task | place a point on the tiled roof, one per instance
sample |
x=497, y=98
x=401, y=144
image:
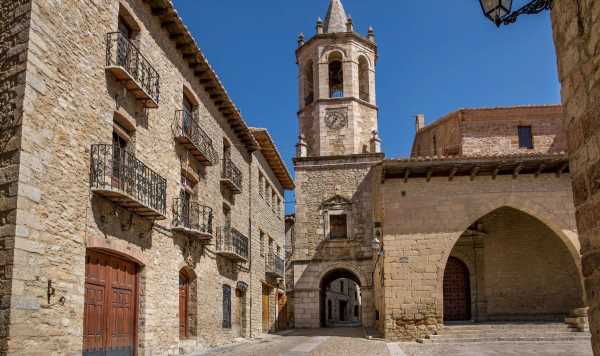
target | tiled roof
x=273, y=157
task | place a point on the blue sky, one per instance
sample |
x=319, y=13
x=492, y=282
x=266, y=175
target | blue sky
x=435, y=56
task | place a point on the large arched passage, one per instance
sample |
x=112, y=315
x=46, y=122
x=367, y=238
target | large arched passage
x=518, y=268
x=340, y=298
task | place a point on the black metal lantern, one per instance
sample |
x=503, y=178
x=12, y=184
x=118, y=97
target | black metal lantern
x=496, y=10
x=499, y=11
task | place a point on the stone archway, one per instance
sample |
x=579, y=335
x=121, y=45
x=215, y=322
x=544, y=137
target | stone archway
x=333, y=275
x=522, y=268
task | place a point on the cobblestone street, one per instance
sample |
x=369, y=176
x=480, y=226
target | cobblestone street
x=351, y=342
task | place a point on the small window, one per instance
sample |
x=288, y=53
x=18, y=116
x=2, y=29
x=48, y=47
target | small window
x=270, y=245
x=336, y=76
x=337, y=227
x=525, y=137
x=262, y=243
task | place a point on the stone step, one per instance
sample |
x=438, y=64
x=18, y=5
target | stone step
x=515, y=331
x=507, y=334
x=536, y=326
x=571, y=337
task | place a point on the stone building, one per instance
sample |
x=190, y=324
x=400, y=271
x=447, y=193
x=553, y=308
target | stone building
x=477, y=225
x=576, y=39
x=138, y=211
x=342, y=303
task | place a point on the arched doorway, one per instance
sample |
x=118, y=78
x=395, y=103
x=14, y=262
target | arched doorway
x=457, y=291
x=340, y=299
x=511, y=266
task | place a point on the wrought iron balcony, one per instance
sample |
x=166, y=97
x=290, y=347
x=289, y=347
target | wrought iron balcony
x=192, y=219
x=232, y=244
x=194, y=139
x=120, y=177
x=128, y=65
x=232, y=176
x=274, y=265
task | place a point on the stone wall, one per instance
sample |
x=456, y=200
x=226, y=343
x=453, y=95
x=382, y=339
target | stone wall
x=577, y=41
x=70, y=101
x=14, y=37
x=424, y=220
x=353, y=178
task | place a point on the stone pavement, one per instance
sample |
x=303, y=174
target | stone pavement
x=351, y=342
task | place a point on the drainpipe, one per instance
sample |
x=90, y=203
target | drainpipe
x=250, y=332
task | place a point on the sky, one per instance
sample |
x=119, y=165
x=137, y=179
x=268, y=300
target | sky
x=433, y=59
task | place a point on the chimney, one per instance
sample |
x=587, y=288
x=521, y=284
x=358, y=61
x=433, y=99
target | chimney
x=420, y=122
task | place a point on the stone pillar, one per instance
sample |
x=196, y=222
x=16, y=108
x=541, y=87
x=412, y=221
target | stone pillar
x=577, y=40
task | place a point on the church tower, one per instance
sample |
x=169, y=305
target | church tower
x=338, y=108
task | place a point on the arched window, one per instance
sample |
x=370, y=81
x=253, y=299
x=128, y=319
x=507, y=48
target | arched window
x=363, y=79
x=309, y=83
x=336, y=76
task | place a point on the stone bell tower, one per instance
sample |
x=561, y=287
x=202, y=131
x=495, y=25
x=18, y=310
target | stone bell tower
x=338, y=110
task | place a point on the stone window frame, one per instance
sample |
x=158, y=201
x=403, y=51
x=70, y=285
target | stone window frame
x=337, y=205
x=127, y=15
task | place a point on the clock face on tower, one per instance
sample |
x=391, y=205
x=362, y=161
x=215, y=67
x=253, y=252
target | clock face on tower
x=336, y=120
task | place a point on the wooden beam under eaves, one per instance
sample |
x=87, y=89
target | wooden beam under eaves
x=406, y=175
x=540, y=170
x=452, y=173
x=429, y=173
x=517, y=170
x=475, y=172
x=562, y=169
x=495, y=172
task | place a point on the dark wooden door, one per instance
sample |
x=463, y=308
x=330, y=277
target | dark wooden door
x=457, y=292
x=184, y=292
x=110, y=306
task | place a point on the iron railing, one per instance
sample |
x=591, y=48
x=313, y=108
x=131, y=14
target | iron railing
x=186, y=125
x=192, y=216
x=275, y=264
x=113, y=168
x=121, y=52
x=232, y=172
x=231, y=241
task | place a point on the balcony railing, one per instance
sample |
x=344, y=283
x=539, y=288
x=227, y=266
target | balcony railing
x=128, y=64
x=122, y=178
x=190, y=135
x=274, y=265
x=192, y=219
x=232, y=176
x=232, y=244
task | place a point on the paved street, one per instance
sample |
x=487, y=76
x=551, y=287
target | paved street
x=351, y=342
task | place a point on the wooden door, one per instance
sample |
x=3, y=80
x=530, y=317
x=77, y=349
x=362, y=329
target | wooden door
x=457, y=292
x=184, y=293
x=110, y=306
x=265, y=309
x=282, y=321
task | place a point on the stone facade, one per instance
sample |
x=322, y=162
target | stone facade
x=489, y=188
x=64, y=100
x=575, y=25
x=14, y=36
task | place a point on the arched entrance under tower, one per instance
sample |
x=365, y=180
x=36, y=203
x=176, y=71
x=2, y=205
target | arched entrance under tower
x=340, y=299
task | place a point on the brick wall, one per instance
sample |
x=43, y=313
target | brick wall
x=575, y=25
x=480, y=132
x=14, y=36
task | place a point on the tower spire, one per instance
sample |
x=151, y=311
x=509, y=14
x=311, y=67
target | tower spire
x=336, y=18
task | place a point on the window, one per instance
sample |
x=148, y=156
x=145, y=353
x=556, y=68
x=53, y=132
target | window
x=278, y=250
x=270, y=245
x=226, y=307
x=336, y=76
x=124, y=28
x=309, y=83
x=342, y=287
x=356, y=311
x=363, y=79
x=329, y=311
x=188, y=111
x=185, y=208
x=278, y=206
x=262, y=243
x=435, y=148
x=261, y=186
x=119, y=155
x=525, y=137
x=337, y=227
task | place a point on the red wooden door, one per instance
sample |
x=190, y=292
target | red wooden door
x=457, y=292
x=110, y=305
x=183, y=305
x=282, y=322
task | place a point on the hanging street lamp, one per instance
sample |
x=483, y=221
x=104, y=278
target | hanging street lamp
x=499, y=11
